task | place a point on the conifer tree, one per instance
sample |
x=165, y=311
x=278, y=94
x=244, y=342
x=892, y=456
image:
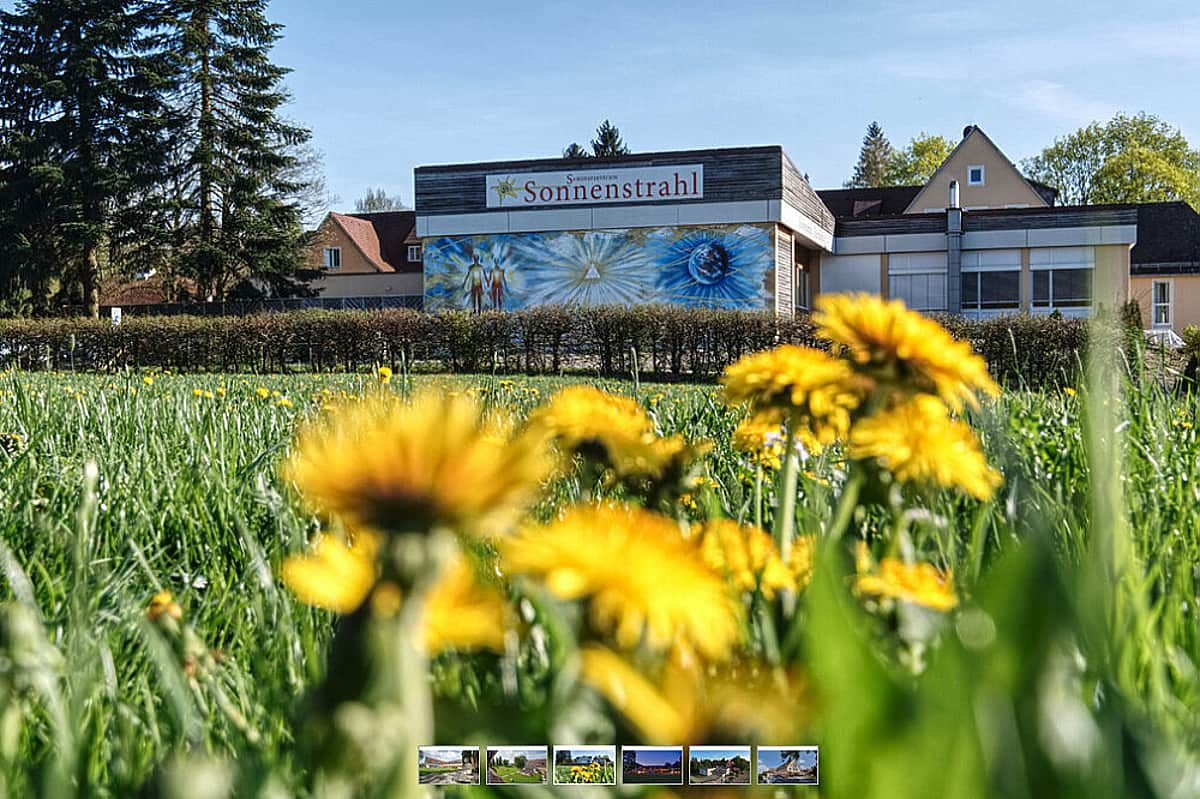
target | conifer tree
x=608, y=141
x=83, y=129
x=238, y=207
x=873, y=160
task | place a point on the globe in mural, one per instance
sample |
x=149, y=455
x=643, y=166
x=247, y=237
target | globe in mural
x=709, y=263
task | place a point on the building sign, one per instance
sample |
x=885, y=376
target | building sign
x=591, y=186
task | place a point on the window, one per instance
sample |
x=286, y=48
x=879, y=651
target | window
x=1161, y=312
x=991, y=283
x=975, y=175
x=803, y=290
x=333, y=257
x=919, y=279
x=1062, y=279
x=414, y=253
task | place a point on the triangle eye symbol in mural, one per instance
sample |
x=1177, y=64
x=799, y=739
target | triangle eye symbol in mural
x=505, y=187
x=592, y=273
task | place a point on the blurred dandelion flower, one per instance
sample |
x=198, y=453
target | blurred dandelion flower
x=918, y=583
x=463, y=613
x=815, y=391
x=746, y=555
x=638, y=572
x=611, y=429
x=262, y=393
x=918, y=442
x=163, y=604
x=385, y=375
x=389, y=465
x=762, y=438
x=902, y=348
x=336, y=576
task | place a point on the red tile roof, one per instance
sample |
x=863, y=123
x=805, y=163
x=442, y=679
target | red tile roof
x=363, y=234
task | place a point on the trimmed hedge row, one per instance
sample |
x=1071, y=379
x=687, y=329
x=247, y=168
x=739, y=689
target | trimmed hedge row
x=667, y=340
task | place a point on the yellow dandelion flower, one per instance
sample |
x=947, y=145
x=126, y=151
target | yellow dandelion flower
x=641, y=577
x=762, y=438
x=612, y=429
x=918, y=442
x=148, y=380
x=385, y=375
x=197, y=392
x=464, y=614
x=262, y=393
x=918, y=583
x=336, y=576
x=902, y=348
x=389, y=465
x=163, y=604
x=800, y=562
x=816, y=391
x=747, y=555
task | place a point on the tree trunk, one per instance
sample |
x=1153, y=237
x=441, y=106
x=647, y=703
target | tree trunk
x=90, y=279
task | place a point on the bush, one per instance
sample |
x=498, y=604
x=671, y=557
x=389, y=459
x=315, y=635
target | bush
x=661, y=340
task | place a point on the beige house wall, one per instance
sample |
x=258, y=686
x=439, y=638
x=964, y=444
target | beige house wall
x=1185, y=299
x=330, y=234
x=1003, y=184
x=376, y=284
x=1110, y=283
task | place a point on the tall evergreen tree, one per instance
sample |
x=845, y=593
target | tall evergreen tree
x=82, y=137
x=873, y=160
x=608, y=141
x=239, y=212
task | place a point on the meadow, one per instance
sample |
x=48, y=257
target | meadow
x=1047, y=645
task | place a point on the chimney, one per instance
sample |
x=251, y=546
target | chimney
x=953, y=194
x=967, y=130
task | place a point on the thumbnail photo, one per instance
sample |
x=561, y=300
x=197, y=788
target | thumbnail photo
x=787, y=765
x=508, y=765
x=585, y=765
x=657, y=765
x=448, y=765
x=718, y=765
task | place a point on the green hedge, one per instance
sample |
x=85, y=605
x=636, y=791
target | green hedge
x=668, y=341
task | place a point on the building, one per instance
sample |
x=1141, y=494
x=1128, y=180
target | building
x=702, y=228
x=742, y=228
x=371, y=256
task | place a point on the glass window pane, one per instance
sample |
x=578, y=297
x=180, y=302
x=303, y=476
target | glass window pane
x=1000, y=289
x=1162, y=292
x=1162, y=314
x=1041, y=288
x=970, y=289
x=1072, y=287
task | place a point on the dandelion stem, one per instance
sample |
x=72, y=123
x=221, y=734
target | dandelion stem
x=847, y=502
x=785, y=522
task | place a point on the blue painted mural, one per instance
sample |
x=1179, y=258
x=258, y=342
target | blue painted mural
x=726, y=266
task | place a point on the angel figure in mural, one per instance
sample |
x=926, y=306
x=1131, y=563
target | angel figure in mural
x=497, y=284
x=474, y=281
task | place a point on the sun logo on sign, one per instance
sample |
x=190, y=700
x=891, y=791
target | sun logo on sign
x=506, y=187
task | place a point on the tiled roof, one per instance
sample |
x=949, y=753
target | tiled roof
x=868, y=203
x=1168, y=239
x=393, y=229
x=362, y=232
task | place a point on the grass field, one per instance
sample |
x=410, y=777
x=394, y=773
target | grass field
x=115, y=488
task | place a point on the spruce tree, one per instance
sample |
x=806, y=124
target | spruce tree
x=608, y=141
x=575, y=150
x=83, y=130
x=238, y=207
x=873, y=160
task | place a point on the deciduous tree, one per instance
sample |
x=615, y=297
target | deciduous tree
x=915, y=164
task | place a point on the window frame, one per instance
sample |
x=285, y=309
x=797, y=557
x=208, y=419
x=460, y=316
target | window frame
x=420, y=252
x=1037, y=265
x=917, y=265
x=977, y=262
x=329, y=262
x=1169, y=304
x=982, y=175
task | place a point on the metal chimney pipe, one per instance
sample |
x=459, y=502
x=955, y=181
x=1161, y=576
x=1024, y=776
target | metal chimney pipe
x=953, y=194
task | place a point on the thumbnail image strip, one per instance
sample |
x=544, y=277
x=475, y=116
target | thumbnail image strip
x=718, y=765
x=448, y=765
x=652, y=765
x=787, y=765
x=585, y=765
x=516, y=765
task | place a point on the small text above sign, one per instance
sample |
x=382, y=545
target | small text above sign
x=590, y=186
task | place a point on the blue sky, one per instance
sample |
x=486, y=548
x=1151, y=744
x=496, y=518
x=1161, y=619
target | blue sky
x=387, y=86
x=658, y=757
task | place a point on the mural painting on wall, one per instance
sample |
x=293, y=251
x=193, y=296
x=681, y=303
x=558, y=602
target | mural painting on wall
x=728, y=266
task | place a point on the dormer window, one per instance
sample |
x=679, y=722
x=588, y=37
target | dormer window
x=333, y=258
x=975, y=175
